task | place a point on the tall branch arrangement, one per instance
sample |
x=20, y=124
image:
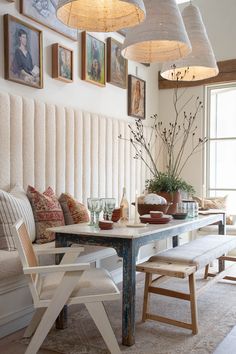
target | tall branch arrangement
x=178, y=138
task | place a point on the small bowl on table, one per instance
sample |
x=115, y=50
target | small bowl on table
x=156, y=214
x=179, y=216
x=105, y=225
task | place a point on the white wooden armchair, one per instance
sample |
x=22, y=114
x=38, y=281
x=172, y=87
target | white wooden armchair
x=56, y=285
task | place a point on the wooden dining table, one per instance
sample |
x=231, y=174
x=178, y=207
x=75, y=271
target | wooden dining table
x=127, y=242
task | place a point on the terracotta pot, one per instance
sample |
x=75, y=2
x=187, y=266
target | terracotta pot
x=173, y=198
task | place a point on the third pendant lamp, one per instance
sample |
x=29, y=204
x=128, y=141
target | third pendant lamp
x=200, y=64
x=100, y=15
x=161, y=37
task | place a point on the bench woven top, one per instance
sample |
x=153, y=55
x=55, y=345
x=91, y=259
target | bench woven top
x=199, y=252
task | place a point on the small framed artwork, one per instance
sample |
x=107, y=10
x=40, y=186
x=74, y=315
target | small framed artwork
x=93, y=60
x=117, y=66
x=44, y=12
x=136, y=97
x=23, y=52
x=62, y=63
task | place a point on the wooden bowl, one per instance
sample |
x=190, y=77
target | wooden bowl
x=146, y=208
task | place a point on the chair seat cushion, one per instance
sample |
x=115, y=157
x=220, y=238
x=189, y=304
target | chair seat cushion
x=95, y=281
x=199, y=252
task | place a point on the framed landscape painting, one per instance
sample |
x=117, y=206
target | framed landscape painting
x=62, y=63
x=44, y=12
x=93, y=60
x=23, y=52
x=117, y=66
x=136, y=97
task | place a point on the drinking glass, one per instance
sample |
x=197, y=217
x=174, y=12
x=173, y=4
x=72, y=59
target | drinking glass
x=110, y=206
x=104, y=208
x=97, y=204
x=91, y=209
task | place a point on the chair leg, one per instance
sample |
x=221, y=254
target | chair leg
x=34, y=322
x=206, y=271
x=98, y=314
x=193, y=303
x=148, y=280
x=58, y=301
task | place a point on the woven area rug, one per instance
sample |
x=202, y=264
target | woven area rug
x=217, y=316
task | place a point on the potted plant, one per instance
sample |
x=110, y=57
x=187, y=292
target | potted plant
x=175, y=136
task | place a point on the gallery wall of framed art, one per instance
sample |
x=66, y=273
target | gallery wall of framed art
x=54, y=73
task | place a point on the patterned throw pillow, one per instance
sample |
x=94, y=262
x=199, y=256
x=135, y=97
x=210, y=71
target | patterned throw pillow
x=215, y=203
x=212, y=203
x=14, y=206
x=74, y=212
x=47, y=213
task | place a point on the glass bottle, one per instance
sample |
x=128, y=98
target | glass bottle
x=124, y=205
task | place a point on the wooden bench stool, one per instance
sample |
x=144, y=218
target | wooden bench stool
x=183, y=262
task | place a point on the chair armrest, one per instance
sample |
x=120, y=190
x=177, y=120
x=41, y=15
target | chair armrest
x=58, y=250
x=56, y=268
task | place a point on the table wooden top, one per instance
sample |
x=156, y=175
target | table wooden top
x=121, y=231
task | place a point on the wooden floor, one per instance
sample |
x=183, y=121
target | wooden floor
x=11, y=345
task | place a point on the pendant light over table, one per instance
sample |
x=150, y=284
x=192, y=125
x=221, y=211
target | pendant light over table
x=100, y=15
x=161, y=37
x=200, y=64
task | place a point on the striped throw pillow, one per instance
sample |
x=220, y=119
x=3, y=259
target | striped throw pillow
x=14, y=206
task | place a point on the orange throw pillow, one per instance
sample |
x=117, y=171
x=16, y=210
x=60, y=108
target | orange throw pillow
x=74, y=212
x=47, y=213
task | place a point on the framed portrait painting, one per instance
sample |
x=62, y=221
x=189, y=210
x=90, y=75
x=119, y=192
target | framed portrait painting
x=62, y=63
x=93, y=60
x=136, y=97
x=23, y=52
x=44, y=12
x=117, y=66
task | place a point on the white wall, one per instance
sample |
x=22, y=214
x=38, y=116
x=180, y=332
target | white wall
x=110, y=101
x=219, y=19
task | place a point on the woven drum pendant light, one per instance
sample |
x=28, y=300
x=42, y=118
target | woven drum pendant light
x=161, y=37
x=100, y=15
x=200, y=64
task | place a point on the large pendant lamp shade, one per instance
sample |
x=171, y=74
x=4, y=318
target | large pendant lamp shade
x=161, y=37
x=200, y=64
x=101, y=15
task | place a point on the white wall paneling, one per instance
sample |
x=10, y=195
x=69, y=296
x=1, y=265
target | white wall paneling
x=70, y=150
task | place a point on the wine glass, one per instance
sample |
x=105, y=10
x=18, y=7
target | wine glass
x=91, y=209
x=104, y=208
x=110, y=206
x=97, y=206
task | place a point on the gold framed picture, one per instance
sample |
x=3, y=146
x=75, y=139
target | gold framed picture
x=93, y=60
x=62, y=63
x=23, y=52
x=136, y=97
x=117, y=66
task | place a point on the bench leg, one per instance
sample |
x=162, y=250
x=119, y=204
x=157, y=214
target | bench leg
x=148, y=281
x=193, y=303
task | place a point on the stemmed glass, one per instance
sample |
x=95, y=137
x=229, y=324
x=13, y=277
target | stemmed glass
x=110, y=206
x=91, y=209
x=97, y=208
